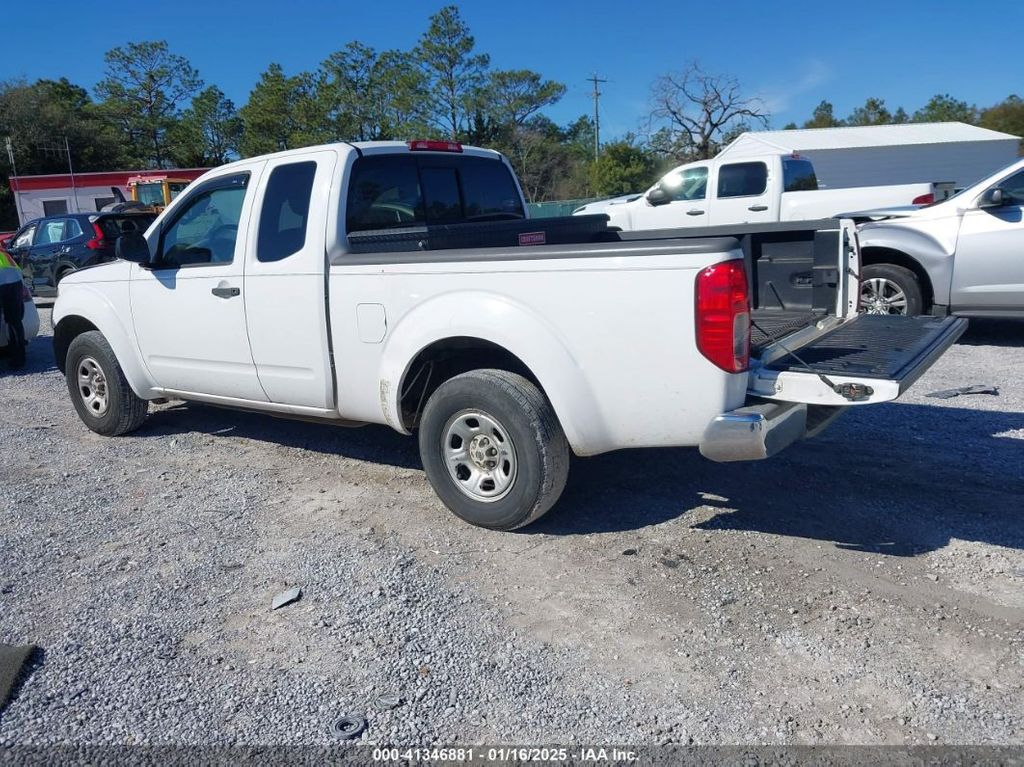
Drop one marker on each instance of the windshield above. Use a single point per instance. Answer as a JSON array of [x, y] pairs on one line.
[[151, 193]]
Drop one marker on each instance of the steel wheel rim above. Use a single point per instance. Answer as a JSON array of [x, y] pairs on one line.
[[92, 387], [479, 455], [879, 295]]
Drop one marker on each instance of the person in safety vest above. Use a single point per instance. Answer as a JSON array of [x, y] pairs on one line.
[[12, 308]]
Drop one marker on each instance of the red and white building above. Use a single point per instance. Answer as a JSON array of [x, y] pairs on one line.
[[57, 193]]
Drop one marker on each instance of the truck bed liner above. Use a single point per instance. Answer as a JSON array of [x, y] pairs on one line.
[[769, 325]]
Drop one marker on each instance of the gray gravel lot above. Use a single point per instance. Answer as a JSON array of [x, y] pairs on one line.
[[864, 587]]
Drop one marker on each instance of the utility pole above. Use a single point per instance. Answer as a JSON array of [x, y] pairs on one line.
[[74, 188], [597, 116], [17, 184]]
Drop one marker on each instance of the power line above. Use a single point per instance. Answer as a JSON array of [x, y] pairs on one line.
[[597, 114]]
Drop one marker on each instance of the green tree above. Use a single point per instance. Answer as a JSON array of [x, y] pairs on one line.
[[455, 75], [1007, 117], [515, 95], [371, 96], [267, 119], [143, 89], [209, 132], [622, 168], [37, 118], [944, 108], [283, 113], [873, 112], [823, 116]]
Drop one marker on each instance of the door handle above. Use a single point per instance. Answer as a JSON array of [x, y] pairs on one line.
[[758, 208], [226, 292], [694, 213]]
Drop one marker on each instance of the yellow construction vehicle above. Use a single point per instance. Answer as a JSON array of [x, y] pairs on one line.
[[155, 191]]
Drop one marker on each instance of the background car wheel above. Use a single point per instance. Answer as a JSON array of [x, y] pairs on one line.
[[493, 449], [99, 391], [890, 289], [63, 272]]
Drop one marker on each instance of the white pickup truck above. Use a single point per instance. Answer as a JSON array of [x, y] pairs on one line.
[[763, 189], [403, 285]]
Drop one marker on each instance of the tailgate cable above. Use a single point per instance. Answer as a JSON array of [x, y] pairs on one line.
[[851, 391]]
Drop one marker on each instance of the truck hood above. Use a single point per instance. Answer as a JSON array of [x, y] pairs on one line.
[[602, 205], [112, 271], [877, 214]]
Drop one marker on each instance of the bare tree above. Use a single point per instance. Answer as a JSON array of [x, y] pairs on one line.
[[693, 111]]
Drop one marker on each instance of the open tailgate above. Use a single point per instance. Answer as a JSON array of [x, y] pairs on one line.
[[871, 358]]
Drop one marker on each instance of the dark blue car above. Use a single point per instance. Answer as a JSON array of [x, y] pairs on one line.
[[50, 248]]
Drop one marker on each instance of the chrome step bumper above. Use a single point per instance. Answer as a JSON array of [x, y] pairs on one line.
[[757, 431]]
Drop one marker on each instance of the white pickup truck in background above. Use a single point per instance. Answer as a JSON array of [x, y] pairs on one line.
[[768, 189], [403, 285]]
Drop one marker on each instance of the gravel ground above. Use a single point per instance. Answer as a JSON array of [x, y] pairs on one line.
[[864, 587]]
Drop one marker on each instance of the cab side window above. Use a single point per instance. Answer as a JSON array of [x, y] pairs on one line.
[[689, 184], [205, 230], [285, 213]]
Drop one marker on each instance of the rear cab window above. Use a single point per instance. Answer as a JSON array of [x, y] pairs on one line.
[[395, 191], [742, 179], [798, 175], [285, 213]]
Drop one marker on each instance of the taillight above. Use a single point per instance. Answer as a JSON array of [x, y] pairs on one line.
[[98, 241], [723, 316], [924, 199], [435, 146]]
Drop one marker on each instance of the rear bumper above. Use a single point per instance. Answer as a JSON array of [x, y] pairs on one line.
[[754, 432]]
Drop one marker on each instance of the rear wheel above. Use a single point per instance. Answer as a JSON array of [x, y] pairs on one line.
[[493, 449], [890, 289], [62, 272], [99, 390]]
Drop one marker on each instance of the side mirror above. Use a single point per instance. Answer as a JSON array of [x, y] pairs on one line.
[[658, 196], [132, 246], [992, 198]]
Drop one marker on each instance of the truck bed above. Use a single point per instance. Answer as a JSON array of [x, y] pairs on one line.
[[792, 267]]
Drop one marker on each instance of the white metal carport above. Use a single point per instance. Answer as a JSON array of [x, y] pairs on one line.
[[876, 155]]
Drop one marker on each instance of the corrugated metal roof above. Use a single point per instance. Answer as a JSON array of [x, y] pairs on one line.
[[811, 139]]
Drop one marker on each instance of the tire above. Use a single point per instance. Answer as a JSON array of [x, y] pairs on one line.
[[62, 272], [890, 289], [99, 391], [514, 463]]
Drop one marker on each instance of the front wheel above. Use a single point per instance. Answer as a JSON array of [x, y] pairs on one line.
[[99, 390], [890, 289], [493, 449]]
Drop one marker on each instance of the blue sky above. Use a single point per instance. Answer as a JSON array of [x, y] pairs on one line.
[[790, 54]]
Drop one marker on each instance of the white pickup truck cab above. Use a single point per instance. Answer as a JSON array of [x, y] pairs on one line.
[[765, 189], [402, 284]]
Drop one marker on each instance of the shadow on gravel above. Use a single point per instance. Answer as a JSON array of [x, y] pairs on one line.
[[891, 479], [994, 333], [377, 444], [38, 359]]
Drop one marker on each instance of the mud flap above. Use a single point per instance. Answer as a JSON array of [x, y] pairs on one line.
[[872, 358]]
